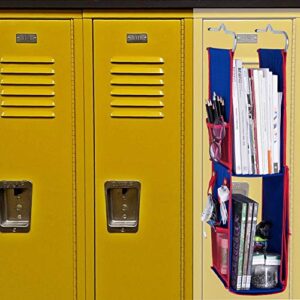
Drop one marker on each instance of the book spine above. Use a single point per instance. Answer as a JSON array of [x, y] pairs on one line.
[[243, 115], [242, 242], [237, 222], [270, 122], [236, 122], [254, 128], [248, 118], [240, 211], [275, 132], [280, 95], [274, 122], [247, 244], [257, 121], [264, 118], [251, 124], [251, 246]]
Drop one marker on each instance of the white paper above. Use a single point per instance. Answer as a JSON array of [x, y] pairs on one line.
[[236, 122]]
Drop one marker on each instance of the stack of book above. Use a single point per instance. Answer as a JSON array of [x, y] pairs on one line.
[[244, 227], [257, 119]]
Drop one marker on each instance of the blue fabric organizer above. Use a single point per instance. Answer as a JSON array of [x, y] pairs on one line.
[[274, 192]]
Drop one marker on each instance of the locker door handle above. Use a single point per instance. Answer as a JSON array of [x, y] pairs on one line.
[[15, 206], [122, 205]]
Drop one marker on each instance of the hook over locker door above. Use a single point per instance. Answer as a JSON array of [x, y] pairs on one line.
[[138, 119]]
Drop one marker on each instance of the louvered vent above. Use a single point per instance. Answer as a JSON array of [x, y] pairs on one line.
[[137, 87], [27, 87]]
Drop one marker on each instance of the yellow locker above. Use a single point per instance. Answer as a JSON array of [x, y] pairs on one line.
[[138, 85], [247, 52], [37, 145]]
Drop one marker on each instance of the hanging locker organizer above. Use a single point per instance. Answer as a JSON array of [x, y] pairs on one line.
[[275, 187]]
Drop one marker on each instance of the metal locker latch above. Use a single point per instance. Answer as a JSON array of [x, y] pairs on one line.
[[122, 205], [15, 206]]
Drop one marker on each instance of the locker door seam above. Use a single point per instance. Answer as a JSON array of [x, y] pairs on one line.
[[74, 198], [94, 158], [182, 163]]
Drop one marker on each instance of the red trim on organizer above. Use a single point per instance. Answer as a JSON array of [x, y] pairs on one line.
[[230, 150], [285, 234], [287, 221], [229, 227], [212, 180], [231, 83], [283, 53], [285, 230], [288, 200], [230, 141], [283, 248], [230, 154]]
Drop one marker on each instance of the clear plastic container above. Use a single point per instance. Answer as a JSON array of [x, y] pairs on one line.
[[265, 271]]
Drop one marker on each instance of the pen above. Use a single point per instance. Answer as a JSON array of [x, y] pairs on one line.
[[219, 106], [215, 112], [223, 107], [209, 111]]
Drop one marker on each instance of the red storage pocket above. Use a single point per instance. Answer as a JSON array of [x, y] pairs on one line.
[[220, 149], [220, 249]]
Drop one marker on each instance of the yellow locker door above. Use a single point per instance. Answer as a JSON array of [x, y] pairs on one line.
[[37, 136], [138, 111], [247, 52]]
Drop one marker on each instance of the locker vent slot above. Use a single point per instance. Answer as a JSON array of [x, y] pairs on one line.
[[137, 103], [137, 92], [27, 60], [29, 113], [137, 87], [141, 80], [137, 60], [138, 70], [143, 113], [27, 87]]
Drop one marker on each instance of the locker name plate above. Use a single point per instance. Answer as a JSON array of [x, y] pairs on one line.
[[247, 38], [26, 38], [122, 205], [15, 206], [137, 38]]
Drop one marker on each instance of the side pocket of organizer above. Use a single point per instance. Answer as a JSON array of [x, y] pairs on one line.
[[220, 235], [220, 144], [220, 82], [220, 252]]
